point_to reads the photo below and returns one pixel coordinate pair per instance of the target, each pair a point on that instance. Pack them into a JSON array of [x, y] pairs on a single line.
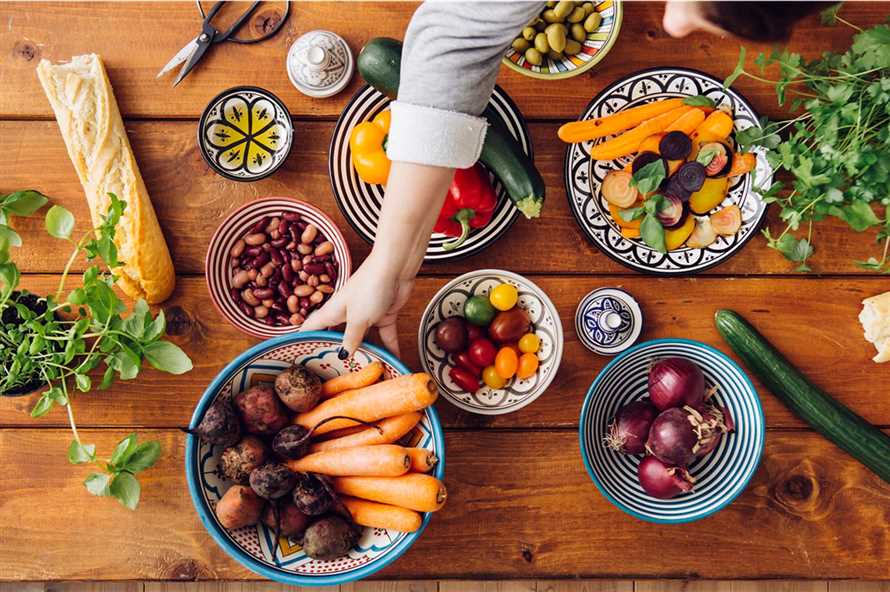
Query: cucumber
[[863, 441], [379, 63]]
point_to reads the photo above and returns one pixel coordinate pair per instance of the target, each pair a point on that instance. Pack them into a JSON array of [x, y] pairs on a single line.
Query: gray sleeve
[[450, 60]]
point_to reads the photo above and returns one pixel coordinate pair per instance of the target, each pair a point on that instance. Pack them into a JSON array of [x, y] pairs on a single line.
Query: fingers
[[352, 337], [390, 337], [331, 314]]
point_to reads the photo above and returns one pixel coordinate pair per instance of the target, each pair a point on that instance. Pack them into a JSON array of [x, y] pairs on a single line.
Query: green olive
[[563, 8], [520, 44], [578, 33], [576, 15], [533, 56], [550, 16], [541, 43], [572, 47], [551, 4], [528, 33], [592, 22], [556, 38], [588, 7]]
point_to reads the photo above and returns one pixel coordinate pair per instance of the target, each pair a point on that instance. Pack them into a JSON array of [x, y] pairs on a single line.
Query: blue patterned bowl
[[253, 546], [608, 321], [720, 476]]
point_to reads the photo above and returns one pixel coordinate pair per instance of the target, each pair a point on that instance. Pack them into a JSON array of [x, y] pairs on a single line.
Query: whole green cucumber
[[863, 441], [379, 63]]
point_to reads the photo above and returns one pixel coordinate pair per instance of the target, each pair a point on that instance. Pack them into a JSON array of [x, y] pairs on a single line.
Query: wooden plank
[[482, 586], [784, 309], [728, 586], [155, 31], [584, 586], [844, 586], [191, 201], [809, 513], [228, 587], [397, 586]]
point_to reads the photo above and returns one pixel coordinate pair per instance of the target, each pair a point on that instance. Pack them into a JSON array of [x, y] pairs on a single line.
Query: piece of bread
[[91, 125], [875, 319]]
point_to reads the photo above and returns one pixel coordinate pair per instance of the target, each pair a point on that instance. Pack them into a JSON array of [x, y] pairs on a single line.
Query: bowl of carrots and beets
[[311, 470]]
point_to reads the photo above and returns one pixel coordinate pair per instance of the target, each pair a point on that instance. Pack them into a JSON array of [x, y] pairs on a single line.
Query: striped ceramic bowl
[[593, 50], [233, 228], [719, 476]]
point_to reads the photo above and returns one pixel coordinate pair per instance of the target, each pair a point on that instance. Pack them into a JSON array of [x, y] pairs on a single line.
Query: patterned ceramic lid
[[608, 321], [320, 64]]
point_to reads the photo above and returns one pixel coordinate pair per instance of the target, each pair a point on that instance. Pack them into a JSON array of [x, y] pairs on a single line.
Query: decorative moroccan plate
[[449, 302], [254, 546], [245, 133], [593, 50], [360, 202], [720, 476], [584, 176]]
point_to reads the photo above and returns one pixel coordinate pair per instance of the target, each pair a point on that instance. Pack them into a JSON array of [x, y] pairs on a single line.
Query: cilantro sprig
[[57, 341], [837, 145]]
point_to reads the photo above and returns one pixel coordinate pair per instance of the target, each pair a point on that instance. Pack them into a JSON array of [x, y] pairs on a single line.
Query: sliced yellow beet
[[712, 192], [676, 237]]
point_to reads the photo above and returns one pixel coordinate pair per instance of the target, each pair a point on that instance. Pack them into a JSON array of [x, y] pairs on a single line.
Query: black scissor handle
[[229, 35]]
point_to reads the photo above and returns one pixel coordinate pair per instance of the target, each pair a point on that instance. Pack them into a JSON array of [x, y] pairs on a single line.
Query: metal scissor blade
[[181, 56], [203, 43]]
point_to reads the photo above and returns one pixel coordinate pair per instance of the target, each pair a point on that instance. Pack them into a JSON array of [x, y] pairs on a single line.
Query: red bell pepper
[[470, 203]]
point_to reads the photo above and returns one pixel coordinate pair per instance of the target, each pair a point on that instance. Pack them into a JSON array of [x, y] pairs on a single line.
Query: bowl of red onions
[[671, 431]]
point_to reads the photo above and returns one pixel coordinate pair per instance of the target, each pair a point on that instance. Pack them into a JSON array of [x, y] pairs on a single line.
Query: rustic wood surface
[[522, 507]]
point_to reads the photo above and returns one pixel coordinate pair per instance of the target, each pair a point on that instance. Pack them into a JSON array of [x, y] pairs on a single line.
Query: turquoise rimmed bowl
[[720, 476], [254, 546]]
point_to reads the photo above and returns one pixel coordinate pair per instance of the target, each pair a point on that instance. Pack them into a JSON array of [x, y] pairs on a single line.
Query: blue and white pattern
[[608, 321], [720, 476], [254, 546]]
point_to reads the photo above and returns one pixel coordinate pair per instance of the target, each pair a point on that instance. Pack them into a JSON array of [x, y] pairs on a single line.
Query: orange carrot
[[630, 232], [422, 459], [364, 377], [687, 122], [342, 433], [377, 515], [391, 429], [580, 131], [716, 126], [413, 491], [404, 394], [650, 144], [384, 460], [630, 141], [742, 162]]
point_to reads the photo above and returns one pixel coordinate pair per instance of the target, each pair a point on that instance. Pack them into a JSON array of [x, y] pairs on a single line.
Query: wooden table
[[521, 504]]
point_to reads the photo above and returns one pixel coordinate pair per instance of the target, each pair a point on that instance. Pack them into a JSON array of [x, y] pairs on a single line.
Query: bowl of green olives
[[566, 39]]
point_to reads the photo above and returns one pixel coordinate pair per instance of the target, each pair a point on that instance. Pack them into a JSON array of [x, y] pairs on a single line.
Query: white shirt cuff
[[425, 135]]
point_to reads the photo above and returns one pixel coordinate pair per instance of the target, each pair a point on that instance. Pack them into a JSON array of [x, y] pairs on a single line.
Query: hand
[[372, 297]]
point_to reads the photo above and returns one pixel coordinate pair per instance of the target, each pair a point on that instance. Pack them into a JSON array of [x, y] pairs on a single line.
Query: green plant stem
[[77, 246]]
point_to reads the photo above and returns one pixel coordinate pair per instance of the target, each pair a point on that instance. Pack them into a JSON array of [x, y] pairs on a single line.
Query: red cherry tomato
[[464, 379], [462, 360], [482, 352], [474, 332]]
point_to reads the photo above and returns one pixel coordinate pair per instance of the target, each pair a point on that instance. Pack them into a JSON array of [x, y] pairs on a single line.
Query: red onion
[[715, 421], [675, 382], [662, 481], [630, 428], [672, 439]]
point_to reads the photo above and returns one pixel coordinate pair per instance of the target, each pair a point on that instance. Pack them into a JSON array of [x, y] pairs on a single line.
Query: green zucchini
[[863, 441], [379, 63]]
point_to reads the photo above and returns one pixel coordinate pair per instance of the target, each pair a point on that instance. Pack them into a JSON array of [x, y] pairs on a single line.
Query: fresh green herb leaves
[[706, 155], [699, 101], [59, 222], [651, 229], [738, 70], [19, 203], [649, 177], [118, 480]]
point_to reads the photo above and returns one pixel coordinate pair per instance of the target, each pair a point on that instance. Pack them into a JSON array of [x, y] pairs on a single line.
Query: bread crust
[[87, 113], [875, 319]]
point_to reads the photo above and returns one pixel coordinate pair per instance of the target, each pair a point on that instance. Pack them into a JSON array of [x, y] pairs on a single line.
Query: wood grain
[[156, 31], [830, 511], [191, 201], [813, 322], [687, 586]]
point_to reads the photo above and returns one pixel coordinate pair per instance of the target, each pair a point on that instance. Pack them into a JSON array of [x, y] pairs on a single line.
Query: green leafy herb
[[699, 101], [39, 346], [651, 229], [649, 177], [706, 155]]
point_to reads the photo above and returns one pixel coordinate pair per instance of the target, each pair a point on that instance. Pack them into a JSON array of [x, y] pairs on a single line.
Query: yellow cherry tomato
[[492, 379], [529, 343], [528, 365], [504, 297], [506, 362]]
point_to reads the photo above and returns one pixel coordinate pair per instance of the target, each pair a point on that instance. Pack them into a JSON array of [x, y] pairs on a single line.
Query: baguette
[[875, 319], [91, 125]]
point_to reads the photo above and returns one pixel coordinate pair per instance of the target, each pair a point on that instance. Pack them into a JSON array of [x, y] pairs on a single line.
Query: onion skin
[[672, 439], [663, 481], [675, 382], [630, 428]]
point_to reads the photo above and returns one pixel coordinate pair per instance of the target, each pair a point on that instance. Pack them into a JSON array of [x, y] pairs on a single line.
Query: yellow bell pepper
[[366, 143]]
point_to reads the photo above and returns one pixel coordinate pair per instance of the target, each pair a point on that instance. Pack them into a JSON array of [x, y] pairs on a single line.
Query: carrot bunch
[[382, 484]]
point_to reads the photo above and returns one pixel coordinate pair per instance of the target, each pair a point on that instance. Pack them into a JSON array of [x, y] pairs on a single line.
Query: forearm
[[414, 196]]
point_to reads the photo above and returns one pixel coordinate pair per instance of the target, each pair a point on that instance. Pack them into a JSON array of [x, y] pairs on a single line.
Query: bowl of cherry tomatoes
[[492, 340]]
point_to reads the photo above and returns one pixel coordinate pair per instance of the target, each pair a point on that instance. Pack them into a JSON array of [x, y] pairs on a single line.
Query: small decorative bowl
[[245, 133], [608, 321], [216, 265], [252, 546], [593, 50], [720, 475], [449, 302]]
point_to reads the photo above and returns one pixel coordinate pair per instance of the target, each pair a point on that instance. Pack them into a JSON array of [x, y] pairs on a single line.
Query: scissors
[[195, 49]]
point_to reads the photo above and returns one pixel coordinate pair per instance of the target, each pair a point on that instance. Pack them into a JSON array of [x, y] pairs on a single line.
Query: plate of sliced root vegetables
[[654, 176], [311, 470]]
